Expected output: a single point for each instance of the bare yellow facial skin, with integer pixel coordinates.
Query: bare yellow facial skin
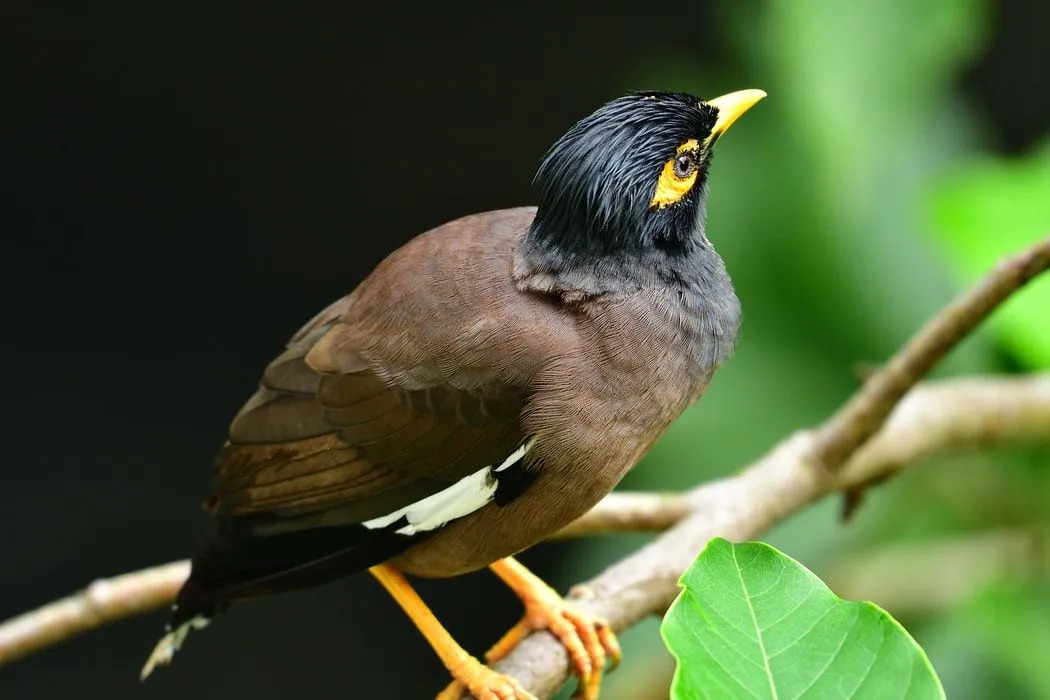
(674, 183)
(670, 188)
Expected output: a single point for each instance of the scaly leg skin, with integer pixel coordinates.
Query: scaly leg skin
(482, 682)
(588, 638)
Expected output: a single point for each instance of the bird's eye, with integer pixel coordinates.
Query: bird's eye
(678, 176)
(684, 165)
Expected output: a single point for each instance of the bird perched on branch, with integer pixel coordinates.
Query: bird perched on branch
(486, 385)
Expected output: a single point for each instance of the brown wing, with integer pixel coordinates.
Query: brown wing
(354, 444)
(393, 394)
(399, 390)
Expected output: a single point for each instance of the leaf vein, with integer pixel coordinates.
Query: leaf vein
(715, 657)
(831, 658)
(874, 659)
(758, 630)
(816, 622)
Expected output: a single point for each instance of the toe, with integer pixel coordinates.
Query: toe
(482, 683)
(566, 632)
(609, 642)
(514, 691)
(589, 687)
(587, 629)
(591, 683)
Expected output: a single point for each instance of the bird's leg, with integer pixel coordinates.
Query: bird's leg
(481, 681)
(588, 638)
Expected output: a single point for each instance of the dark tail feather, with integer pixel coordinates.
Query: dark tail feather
(233, 563)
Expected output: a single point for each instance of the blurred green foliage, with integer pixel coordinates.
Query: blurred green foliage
(986, 210)
(850, 206)
(1010, 621)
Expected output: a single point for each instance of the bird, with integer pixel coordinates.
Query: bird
(488, 383)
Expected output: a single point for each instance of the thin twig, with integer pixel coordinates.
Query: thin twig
(629, 511)
(862, 415)
(934, 419)
(104, 601)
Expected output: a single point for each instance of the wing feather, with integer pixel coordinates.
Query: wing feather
(398, 395)
(357, 442)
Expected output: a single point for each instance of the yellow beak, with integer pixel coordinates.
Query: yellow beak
(730, 107)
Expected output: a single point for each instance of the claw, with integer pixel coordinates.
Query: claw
(483, 684)
(586, 637)
(610, 643)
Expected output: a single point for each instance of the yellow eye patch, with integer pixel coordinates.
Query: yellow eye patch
(672, 185)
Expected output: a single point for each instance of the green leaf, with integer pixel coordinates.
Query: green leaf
(754, 623)
(988, 210)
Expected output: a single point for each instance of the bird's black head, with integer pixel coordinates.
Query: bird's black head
(629, 180)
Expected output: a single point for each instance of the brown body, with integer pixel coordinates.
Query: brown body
(440, 363)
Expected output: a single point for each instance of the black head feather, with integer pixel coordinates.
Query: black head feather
(597, 181)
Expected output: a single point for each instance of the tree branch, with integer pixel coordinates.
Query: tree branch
(629, 511)
(804, 468)
(104, 601)
(861, 416)
(935, 419)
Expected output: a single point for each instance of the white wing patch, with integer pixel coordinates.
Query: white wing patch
(517, 454)
(467, 495)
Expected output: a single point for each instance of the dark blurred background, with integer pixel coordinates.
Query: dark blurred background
(180, 189)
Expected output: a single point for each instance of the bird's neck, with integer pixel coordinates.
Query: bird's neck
(690, 295)
(548, 266)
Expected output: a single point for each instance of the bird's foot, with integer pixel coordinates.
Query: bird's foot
(587, 637)
(482, 683)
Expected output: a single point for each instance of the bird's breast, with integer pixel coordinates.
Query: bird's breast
(593, 415)
(636, 363)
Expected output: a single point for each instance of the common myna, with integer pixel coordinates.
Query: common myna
(487, 384)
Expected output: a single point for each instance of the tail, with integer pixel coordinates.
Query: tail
(171, 642)
(234, 563)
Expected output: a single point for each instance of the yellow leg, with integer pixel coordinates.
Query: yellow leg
(482, 682)
(588, 638)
